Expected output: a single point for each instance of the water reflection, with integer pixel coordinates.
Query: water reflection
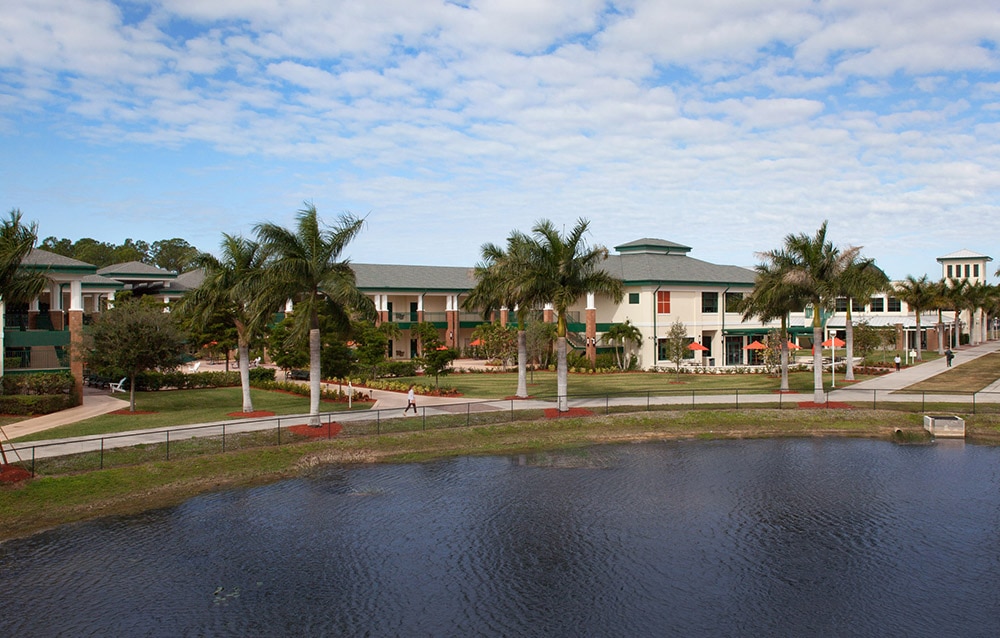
(781, 537)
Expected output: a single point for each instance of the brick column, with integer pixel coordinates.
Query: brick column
(591, 329)
(76, 351)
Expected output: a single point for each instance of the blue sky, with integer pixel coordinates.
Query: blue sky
(720, 124)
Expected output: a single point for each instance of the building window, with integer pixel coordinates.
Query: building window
(950, 272)
(975, 270)
(895, 305)
(733, 300)
(710, 302)
(857, 305)
(633, 298)
(877, 304)
(663, 302)
(841, 304)
(966, 271)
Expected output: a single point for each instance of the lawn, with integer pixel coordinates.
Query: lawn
(971, 376)
(183, 407)
(542, 384)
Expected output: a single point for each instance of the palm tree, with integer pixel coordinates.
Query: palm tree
(16, 284)
(304, 265)
(940, 303)
(17, 239)
(977, 297)
(773, 298)
(919, 295)
(955, 291)
(860, 280)
(232, 287)
(621, 336)
(500, 284)
(562, 269)
(813, 265)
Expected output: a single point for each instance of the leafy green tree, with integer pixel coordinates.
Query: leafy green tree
(813, 265)
(132, 337)
(676, 344)
(305, 266)
(623, 336)
(232, 287)
(497, 342)
(371, 344)
(539, 339)
(919, 295)
(562, 269)
(436, 358)
(285, 352)
(174, 254)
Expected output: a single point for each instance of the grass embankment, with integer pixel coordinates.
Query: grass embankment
(49, 501)
(166, 408)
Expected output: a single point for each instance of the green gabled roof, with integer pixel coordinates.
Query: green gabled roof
(136, 270)
(388, 277)
(101, 283)
(39, 259)
(676, 269)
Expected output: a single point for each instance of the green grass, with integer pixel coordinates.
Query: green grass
(184, 407)
(971, 376)
(542, 384)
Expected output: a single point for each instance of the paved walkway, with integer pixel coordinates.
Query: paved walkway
(390, 405)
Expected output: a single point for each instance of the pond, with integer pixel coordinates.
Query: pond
(784, 537)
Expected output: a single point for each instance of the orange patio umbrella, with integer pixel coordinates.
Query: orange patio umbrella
(794, 346)
(755, 345)
(833, 342)
(476, 342)
(695, 346)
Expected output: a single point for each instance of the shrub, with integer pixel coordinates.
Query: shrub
(34, 404)
(40, 383)
(261, 374)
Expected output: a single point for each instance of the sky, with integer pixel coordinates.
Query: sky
(723, 125)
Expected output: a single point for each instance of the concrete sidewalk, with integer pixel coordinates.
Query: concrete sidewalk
(95, 403)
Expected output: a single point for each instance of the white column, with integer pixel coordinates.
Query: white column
(420, 302)
(76, 295)
(590, 301)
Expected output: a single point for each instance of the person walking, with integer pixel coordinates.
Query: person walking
(949, 355)
(411, 401)
(897, 360)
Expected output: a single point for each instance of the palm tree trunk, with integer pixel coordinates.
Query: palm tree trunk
(940, 334)
(244, 349)
(920, 354)
(522, 364)
(314, 374)
(561, 374)
(819, 395)
(849, 328)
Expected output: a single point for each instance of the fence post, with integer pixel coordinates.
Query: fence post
(692, 397)
(32, 461)
(923, 399)
(607, 404)
(468, 414)
(973, 402)
(874, 399)
(378, 422)
(512, 410)
(102, 452)
(223, 438)
(737, 398)
(168, 445)
(279, 430)
(647, 400)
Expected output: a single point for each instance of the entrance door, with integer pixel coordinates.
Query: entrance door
(413, 311)
(413, 349)
(734, 351)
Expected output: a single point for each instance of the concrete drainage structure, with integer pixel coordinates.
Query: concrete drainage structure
(945, 427)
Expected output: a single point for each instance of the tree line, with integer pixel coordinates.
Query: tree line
(169, 254)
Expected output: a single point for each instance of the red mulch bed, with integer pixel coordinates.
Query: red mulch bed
(554, 413)
(316, 433)
(836, 405)
(13, 474)
(126, 412)
(251, 415)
